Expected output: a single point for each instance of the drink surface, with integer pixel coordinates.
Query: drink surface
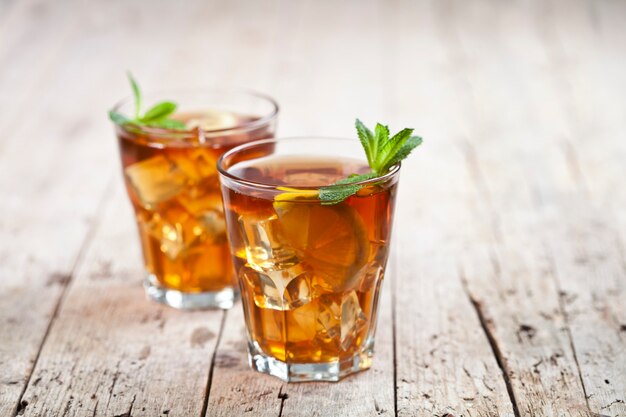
(174, 188)
(297, 170)
(309, 273)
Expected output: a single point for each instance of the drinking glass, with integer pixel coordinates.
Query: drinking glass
(173, 185)
(310, 272)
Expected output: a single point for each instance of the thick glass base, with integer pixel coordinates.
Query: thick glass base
(307, 372)
(189, 301)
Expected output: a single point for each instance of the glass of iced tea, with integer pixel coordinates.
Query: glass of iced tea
(310, 272)
(172, 181)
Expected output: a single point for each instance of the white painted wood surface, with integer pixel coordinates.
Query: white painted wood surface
(509, 263)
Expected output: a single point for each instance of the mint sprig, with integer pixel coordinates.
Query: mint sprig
(382, 153)
(156, 116)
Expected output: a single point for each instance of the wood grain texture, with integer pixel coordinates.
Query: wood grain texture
(54, 173)
(112, 352)
(592, 280)
(511, 279)
(511, 225)
(581, 254)
(590, 265)
(444, 362)
(33, 35)
(504, 264)
(235, 388)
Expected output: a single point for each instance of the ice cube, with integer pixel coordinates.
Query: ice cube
(329, 325)
(265, 249)
(340, 318)
(298, 290)
(206, 207)
(262, 288)
(198, 164)
(155, 180)
(352, 319)
(172, 243)
(176, 230)
(303, 323)
(284, 289)
(214, 226)
(169, 235)
(198, 202)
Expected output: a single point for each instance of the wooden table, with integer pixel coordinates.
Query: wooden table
(507, 286)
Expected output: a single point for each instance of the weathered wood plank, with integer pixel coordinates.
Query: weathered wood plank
(581, 256)
(53, 174)
(235, 388)
(153, 67)
(504, 265)
(591, 265)
(317, 70)
(527, 138)
(110, 351)
(510, 267)
(508, 93)
(33, 33)
(444, 362)
(593, 286)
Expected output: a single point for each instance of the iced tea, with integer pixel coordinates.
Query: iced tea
(310, 274)
(172, 182)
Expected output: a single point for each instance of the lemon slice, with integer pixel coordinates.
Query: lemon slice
(294, 194)
(331, 239)
(213, 120)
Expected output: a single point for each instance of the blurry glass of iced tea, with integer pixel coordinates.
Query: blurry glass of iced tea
(310, 272)
(172, 181)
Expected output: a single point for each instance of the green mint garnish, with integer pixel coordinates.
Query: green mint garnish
(382, 153)
(156, 116)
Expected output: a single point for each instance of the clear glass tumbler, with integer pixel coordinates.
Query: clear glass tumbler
(172, 181)
(310, 272)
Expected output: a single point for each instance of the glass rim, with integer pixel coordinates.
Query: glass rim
(164, 132)
(393, 171)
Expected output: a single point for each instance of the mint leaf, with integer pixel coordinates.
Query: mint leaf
(381, 135)
(391, 148)
(367, 139)
(337, 193)
(355, 178)
(156, 116)
(343, 188)
(158, 111)
(412, 143)
(382, 153)
(169, 124)
(118, 118)
(136, 93)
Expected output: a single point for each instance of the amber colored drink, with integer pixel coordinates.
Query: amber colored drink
(310, 274)
(172, 181)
